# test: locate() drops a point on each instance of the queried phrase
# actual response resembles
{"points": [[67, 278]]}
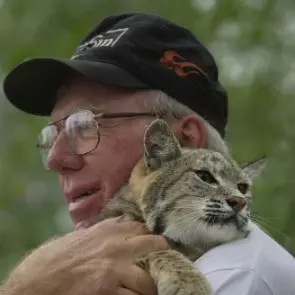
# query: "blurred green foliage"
{"points": [[254, 45]]}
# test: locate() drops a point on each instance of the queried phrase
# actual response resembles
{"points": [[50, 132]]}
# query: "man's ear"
{"points": [[160, 144], [190, 131], [254, 168]]}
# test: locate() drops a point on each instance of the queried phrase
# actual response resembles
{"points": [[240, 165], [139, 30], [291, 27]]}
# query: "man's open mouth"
{"points": [[84, 195]]}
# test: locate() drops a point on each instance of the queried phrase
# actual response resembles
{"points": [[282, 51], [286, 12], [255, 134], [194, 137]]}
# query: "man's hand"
{"points": [[98, 260]]}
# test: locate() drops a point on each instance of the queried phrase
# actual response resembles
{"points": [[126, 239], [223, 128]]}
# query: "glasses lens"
{"points": [[46, 140], [81, 130]]}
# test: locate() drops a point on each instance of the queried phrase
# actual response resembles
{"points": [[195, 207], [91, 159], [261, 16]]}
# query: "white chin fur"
{"points": [[205, 236]]}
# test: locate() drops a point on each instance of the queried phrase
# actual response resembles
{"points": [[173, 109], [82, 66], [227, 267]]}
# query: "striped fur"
{"points": [[182, 194]]}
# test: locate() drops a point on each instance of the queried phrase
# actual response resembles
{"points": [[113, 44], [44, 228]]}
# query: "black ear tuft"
{"points": [[254, 168]]}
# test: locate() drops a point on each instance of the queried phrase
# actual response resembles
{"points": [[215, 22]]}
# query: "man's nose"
{"points": [[61, 158]]}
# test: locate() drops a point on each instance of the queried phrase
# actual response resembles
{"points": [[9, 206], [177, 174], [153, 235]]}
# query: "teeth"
{"points": [[89, 192], [80, 198], [85, 195]]}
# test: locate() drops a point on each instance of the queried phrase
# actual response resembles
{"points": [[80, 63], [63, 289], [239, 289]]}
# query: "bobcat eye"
{"points": [[206, 176], [243, 187]]}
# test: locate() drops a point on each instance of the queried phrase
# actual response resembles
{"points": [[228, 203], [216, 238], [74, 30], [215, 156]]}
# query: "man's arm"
{"points": [[97, 260]]}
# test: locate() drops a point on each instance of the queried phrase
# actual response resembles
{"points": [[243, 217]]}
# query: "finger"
{"points": [[123, 291], [140, 246], [127, 225], [83, 224], [109, 232], [137, 280], [111, 226]]}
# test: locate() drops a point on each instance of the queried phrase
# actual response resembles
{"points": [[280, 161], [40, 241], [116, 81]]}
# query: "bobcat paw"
{"points": [[184, 284]]}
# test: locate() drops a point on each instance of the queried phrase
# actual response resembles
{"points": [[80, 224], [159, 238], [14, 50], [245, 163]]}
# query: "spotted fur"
{"points": [[184, 195]]}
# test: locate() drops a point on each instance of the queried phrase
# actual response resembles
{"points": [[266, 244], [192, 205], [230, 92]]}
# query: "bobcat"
{"points": [[195, 198]]}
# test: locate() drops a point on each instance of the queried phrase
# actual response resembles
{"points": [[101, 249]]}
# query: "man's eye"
{"points": [[81, 128], [206, 176]]}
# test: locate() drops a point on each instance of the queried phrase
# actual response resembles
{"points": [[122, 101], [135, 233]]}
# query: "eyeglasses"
{"points": [[81, 131]]}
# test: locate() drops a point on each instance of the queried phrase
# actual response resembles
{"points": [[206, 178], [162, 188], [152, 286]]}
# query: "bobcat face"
{"points": [[211, 200], [195, 197]]}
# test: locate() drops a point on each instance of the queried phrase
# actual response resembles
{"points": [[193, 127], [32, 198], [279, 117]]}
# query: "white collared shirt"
{"points": [[254, 265]]}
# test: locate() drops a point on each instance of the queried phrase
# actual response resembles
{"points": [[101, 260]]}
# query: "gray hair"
{"points": [[162, 104]]}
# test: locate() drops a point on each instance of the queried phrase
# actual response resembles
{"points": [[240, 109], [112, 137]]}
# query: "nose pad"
{"points": [[237, 203]]}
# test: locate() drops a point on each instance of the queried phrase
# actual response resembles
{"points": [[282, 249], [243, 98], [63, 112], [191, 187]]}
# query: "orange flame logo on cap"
{"points": [[182, 67]]}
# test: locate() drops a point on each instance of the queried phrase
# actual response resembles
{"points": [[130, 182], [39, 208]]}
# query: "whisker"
{"points": [[188, 218], [264, 217], [213, 220], [191, 208], [190, 214], [260, 223], [264, 224], [203, 237], [182, 206]]}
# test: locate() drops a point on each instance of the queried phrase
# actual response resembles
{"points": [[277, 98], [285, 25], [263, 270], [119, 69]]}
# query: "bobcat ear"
{"points": [[160, 144], [254, 168]]}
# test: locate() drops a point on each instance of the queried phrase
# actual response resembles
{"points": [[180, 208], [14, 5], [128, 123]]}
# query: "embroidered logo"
{"points": [[107, 39], [177, 63]]}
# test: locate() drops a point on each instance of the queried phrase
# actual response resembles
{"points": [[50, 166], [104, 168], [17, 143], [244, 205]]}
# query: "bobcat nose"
{"points": [[237, 203]]}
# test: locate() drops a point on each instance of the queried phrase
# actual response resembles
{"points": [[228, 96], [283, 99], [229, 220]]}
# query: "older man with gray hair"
{"points": [[130, 69]]}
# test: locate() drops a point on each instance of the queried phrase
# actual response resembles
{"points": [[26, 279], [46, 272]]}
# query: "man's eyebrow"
{"points": [[77, 109], [57, 121], [64, 116]]}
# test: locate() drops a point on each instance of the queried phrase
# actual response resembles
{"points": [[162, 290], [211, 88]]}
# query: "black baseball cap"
{"points": [[135, 50]]}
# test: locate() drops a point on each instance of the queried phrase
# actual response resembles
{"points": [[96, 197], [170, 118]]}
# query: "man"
{"points": [[130, 69]]}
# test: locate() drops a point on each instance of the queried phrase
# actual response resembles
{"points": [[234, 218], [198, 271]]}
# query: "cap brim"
{"points": [[32, 85]]}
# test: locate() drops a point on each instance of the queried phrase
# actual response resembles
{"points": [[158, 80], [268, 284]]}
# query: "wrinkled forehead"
{"points": [[81, 93]]}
